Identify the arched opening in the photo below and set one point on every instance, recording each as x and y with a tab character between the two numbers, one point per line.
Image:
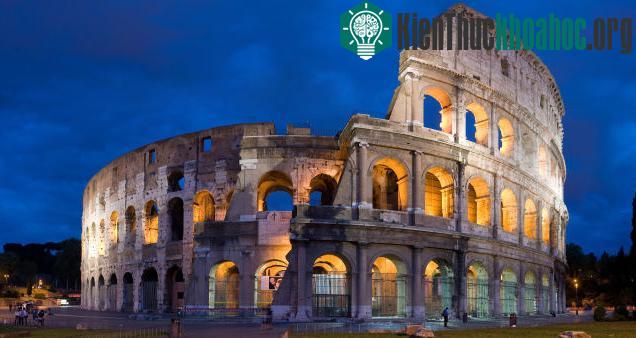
111	290
175	211
477	295
388	283
114	228
148	292
175	289
476	116
530	293
390	185
439	193
176	182
91	300
322	190
101	293
506	137
275	192
530	219
508	211
331	295
102	238
478	201
224	286
268	279
545	226
127	297
439	288
131	225
438	112
508	292
542	162
545	292
151	228
203	207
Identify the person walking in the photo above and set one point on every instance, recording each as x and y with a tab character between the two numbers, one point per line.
445	315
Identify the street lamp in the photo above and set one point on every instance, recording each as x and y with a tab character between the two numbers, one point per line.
576	292
6	278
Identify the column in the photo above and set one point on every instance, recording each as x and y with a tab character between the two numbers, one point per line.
460	282
364	182
416	190
304	299
520	216
494	284
539	224
521	304
136	291
494	131
363	280
417	286
496	220
459	205
459	129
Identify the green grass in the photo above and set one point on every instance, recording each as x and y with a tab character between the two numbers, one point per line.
596	330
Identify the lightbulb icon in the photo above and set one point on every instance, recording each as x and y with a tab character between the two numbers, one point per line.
366	28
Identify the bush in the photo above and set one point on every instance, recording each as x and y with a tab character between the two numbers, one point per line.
599	313
39	296
11	294
621	313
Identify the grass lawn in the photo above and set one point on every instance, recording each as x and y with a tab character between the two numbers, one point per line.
596	330
62	332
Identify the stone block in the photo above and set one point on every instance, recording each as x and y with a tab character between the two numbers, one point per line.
574	334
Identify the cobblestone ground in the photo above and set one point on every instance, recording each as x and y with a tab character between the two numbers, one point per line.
71	317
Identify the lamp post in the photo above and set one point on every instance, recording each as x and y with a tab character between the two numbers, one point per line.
576	292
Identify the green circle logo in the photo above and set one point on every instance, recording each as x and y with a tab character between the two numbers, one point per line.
365	30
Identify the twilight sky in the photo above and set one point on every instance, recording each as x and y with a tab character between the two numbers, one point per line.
82	82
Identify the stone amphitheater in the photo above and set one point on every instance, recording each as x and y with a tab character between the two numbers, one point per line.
453	199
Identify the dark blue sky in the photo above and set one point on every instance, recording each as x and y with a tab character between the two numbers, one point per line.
82	82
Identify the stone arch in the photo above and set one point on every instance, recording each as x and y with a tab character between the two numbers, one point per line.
270	182
530	293
175	289
111	291
131	225
478	201
267	280
101	293
91	300
545	293
223	286
481	123
175	212
545	226
148	290
389	285
439	192
508	291
331	286
203	207
506	137
127	293
114	228
390	184
446	110
176	181
530	219
326	186
477	290
151	224
508	210
439	287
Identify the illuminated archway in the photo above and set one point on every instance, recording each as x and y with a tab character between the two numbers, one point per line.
114	228
530	219
388	285
545	292
508	292
508	211
267	281
331	296
438	110
390	185
477	295
151	226
203	207
506	137
530	293
439	193
478	201
277	183
481	124
224	286
439	288
545	226
322	190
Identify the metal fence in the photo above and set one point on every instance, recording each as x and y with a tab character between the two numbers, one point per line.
389	295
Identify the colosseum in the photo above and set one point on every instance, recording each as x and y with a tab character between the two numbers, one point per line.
453	199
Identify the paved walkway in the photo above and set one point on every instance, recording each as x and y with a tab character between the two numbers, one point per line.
71	317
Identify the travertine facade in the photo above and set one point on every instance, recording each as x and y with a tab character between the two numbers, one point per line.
392	218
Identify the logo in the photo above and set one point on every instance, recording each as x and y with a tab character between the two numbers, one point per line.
365	30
